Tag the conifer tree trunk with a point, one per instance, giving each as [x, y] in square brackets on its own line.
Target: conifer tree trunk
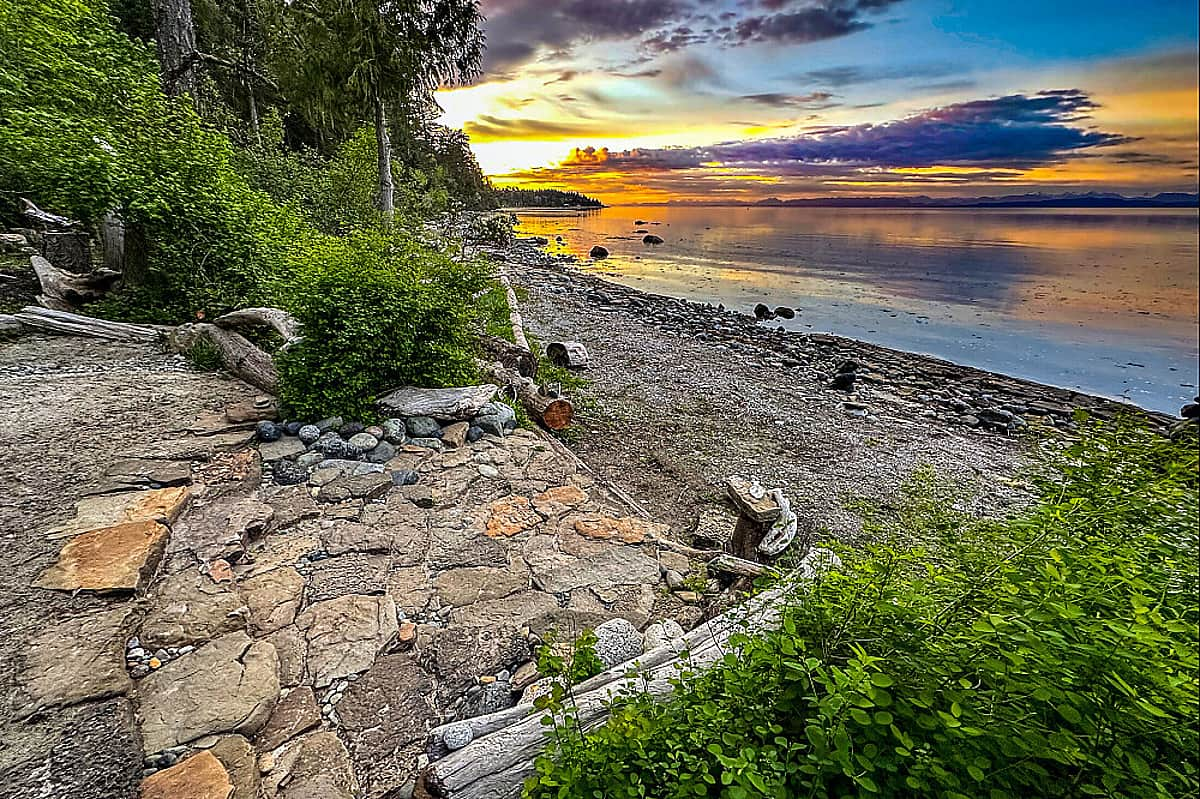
[175, 35]
[387, 188]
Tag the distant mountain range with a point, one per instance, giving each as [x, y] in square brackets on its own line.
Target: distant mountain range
[1070, 200]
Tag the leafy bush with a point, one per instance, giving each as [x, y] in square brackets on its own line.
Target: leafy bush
[1052, 654]
[379, 310]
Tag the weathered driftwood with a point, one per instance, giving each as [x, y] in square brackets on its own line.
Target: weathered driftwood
[783, 531]
[446, 404]
[724, 562]
[281, 322]
[567, 354]
[45, 219]
[510, 355]
[514, 315]
[64, 291]
[239, 357]
[505, 744]
[54, 321]
[554, 413]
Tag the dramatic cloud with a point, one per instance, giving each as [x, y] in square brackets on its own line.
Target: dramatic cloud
[813, 101]
[1015, 132]
[812, 23]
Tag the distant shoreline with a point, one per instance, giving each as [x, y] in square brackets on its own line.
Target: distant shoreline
[1163, 200]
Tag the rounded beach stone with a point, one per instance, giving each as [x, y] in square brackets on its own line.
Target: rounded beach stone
[268, 431]
[474, 433]
[458, 735]
[393, 431]
[364, 441]
[663, 632]
[351, 429]
[332, 423]
[405, 477]
[375, 430]
[292, 428]
[423, 427]
[617, 641]
[380, 453]
[598, 252]
[309, 433]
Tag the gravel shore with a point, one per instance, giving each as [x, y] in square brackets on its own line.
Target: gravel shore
[681, 395]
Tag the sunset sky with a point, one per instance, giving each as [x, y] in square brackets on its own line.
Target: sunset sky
[656, 100]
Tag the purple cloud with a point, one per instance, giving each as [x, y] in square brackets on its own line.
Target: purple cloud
[1014, 132]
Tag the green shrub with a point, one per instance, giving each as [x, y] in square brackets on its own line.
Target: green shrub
[379, 310]
[1052, 654]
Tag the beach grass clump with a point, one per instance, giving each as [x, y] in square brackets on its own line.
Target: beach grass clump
[1053, 653]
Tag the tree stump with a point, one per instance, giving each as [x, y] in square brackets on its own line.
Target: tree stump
[68, 250]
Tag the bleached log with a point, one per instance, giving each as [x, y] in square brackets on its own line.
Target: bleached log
[510, 355]
[567, 354]
[445, 404]
[724, 562]
[64, 291]
[783, 531]
[495, 764]
[280, 321]
[66, 323]
[239, 357]
[514, 315]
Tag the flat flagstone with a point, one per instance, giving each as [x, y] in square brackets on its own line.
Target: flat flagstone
[241, 762]
[627, 529]
[558, 500]
[614, 566]
[510, 516]
[460, 587]
[161, 504]
[118, 558]
[316, 766]
[189, 608]
[81, 659]
[273, 598]
[200, 776]
[345, 634]
[295, 714]
[229, 685]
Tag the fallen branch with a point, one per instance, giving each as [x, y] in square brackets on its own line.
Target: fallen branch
[63, 322]
[505, 744]
[514, 315]
[47, 219]
[280, 321]
[239, 357]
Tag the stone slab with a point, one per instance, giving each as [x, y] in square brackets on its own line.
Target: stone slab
[344, 635]
[200, 776]
[161, 505]
[118, 558]
[189, 608]
[273, 598]
[295, 714]
[81, 659]
[228, 685]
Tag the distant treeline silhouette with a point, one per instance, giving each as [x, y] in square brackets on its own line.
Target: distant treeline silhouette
[544, 198]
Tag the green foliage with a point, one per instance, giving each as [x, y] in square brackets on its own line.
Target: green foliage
[379, 310]
[577, 665]
[544, 198]
[1051, 654]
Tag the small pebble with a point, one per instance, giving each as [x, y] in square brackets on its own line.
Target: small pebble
[308, 433]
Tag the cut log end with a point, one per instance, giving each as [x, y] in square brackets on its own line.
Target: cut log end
[558, 413]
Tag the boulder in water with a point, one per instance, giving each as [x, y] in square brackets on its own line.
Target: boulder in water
[650, 238]
[598, 252]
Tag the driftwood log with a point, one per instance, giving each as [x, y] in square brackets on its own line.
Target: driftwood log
[47, 220]
[514, 315]
[510, 355]
[281, 322]
[444, 404]
[63, 290]
[49, 320]
[505, 744]
[567, 354]
[554, 413]
[238, 355]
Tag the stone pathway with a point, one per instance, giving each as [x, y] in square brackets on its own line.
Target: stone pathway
[299, 642]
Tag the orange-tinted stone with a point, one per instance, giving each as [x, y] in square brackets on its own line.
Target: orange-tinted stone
[117, 558]
[199, 777]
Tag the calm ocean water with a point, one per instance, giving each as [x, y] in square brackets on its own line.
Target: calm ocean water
[1103, 301]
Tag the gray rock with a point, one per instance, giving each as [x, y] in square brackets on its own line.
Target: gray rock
[345, 634]
[268, 431]
[457, 735]
[292, 428]
[489, 424]
[674, 579]
[617, 641]
[381, 453]
[364, 441]
[500, 409]
[286, 473]
[280, 448]
[350, 429]
[492, 698]
[784, 312]
[650, 238]
[309, 433]
[393, 431]
[598, 252]
[350, 468]
[474, 433]
[335, 447]
[405, 477]
[332, 423]
[428, 443]
[422, 427]
[77, 660]
[309, 460]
